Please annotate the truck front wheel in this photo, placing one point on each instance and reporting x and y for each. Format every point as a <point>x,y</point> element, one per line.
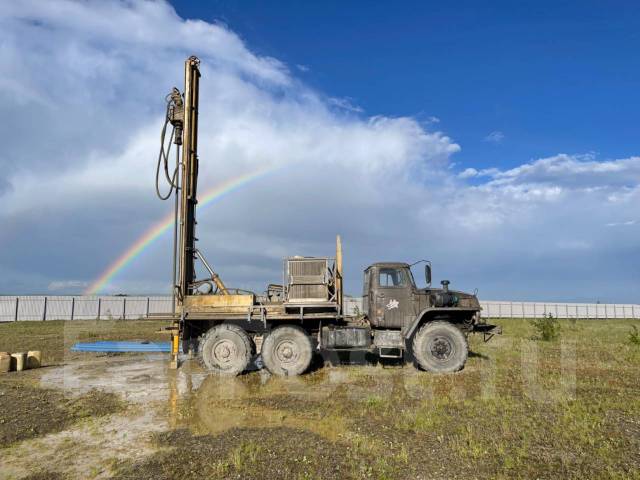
<point>287,350</point>
<point>440,347</point>
<point>226,349</point>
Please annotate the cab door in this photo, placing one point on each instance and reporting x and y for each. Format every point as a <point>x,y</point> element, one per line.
<point>368,297</point>
<point>393,297</point>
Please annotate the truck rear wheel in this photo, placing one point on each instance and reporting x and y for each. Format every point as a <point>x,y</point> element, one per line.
<point>440,347</point>
<point>287,351</point>
<point>226,349</point>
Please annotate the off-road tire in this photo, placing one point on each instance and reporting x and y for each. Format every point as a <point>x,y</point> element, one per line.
<point>226,350</point>
<point>440,347</point>
<point>287,351</point>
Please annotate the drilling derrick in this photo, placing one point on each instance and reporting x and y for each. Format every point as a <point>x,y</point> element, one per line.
<point>189,181</point>
<point>182,114</point>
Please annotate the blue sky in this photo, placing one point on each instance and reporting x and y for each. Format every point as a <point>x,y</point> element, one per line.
<point>499,142</point>
<point>550,76</point>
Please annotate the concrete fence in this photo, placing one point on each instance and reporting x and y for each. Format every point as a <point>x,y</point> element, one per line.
<point>496,309</point>
<point>504,309</point>
<point>20,308</point>
<point>81,307</point>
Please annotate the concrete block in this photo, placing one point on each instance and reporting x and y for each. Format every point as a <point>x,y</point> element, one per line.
<point>18,361</point>
<point>5,363</point>
<point>34,359</point>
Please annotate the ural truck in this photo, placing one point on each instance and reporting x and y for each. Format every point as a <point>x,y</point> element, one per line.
<point>304,315</point>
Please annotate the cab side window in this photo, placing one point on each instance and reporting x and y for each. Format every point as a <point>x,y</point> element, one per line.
<point>391,277</point>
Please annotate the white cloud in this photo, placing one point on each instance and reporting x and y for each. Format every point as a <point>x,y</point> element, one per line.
<point>494,137</point>
<point>468,173</point>
<point>628,223</point>
<point>74,285</point>
<point>578,171</point>
<point>345,104</point>
<point>85,84</point>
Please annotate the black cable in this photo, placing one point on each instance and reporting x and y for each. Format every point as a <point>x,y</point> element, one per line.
<point>163,159</point>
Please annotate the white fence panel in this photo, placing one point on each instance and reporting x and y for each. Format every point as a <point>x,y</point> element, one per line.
<point>85,308</point>
<point>160,305</point>
<point>59,308</point>
<point>34,307</point>
<point>31,308</point>
<point>495,309</point>
<point>7,308</point>
<point>353,305</point>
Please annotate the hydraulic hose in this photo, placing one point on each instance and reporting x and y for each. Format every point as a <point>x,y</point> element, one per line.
<point>163,158</point>
<point>172,180</point>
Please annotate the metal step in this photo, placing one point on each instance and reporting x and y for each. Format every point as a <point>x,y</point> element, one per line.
<point>399,355</point>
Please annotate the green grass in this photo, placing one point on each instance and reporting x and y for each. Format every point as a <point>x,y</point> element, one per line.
<point>521,408</point>
<point>55,337</point>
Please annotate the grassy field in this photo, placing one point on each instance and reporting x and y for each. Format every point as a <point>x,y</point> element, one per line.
<point>55,337</point>
<point>26,409</point>
<point>522,408</point>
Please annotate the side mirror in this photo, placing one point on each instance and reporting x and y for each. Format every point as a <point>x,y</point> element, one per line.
<point>427,274</point>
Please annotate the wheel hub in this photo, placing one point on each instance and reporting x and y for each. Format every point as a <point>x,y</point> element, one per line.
<point>287,352</point>
<point>441,348</point>
<point>224,352</point>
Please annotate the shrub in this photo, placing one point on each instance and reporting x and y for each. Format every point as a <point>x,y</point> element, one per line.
<point>547,327</point>
<point>634,335</point>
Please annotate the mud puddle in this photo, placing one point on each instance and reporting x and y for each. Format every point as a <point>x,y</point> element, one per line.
<point>150,393</point>
<point>140,379</point>
<point>86,450</point>
<point>159,399</point>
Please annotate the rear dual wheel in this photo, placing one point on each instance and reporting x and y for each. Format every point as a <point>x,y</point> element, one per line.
<point>287,351</point>
<point>226,349</point>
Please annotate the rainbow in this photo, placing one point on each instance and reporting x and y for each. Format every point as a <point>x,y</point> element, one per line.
<point>164,225</point>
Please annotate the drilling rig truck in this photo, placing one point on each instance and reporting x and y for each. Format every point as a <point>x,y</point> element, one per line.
<point>293,321</point>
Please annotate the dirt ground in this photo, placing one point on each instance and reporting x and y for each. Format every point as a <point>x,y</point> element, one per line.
<point>521,408</point>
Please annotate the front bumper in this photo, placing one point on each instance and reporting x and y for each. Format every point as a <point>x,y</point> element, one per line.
<point>487,330</point>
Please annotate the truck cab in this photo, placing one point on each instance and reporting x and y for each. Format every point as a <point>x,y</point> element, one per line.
<point>392,300</point>
<point>431,324</point>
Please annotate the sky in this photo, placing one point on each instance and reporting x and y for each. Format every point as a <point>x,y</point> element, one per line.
<point>499,142</point>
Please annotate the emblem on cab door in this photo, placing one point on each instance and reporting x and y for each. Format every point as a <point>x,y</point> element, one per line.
<point>392,304</point>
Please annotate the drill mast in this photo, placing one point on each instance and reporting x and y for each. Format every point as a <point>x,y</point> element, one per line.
<point>182,113</point>
<point>189,180</point>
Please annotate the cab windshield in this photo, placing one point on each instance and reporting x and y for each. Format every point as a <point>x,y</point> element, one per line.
<point>393,277</point>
